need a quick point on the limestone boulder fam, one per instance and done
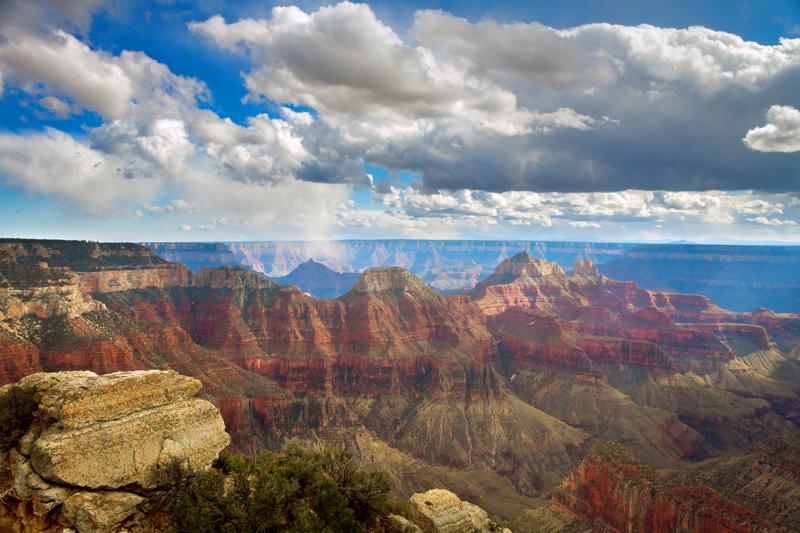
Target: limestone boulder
(402, 525)
(122, 429)
(441, 511)
(100, 512)
(90, 399)
(96, 441)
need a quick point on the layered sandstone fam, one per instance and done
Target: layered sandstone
(613, 492)
(441, 511)
(127, 279)
(45, 302)
(98, 443)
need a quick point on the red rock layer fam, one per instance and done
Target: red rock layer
(616, 321)
(18, 358)
(616, 495)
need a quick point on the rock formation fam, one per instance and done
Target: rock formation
(611, 491)
(99, 445)
(441, 511)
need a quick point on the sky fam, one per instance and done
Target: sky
(578, 120)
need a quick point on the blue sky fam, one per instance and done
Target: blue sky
(583, 120)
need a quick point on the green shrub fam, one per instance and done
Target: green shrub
(17, 407)
(297, 490)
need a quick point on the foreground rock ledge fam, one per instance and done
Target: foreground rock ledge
(441, 511)
(93, 434)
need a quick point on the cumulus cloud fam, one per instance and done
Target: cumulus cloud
(56, 106)
(583, 210)
(517, 106)
(55, 163)
(583, 224)
(342, 59)
(54, 60)
(38, 15)
(157, 153)
(780, 134)
(764, 221)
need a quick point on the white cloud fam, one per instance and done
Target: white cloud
(371, 86)
(266, 150)
(55, 163)
(583, 224)
(486, 113)
(582, 210)
(764, 221)
(515, 106)
(177, 205)
(56, 106)
(780, 134)
(92, 79)
(708, 59)
(342, 60)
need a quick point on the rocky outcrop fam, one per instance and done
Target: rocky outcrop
(99, 445)
(127, 279)
(614, 492)
(441, 511)
(45, 302)
(609, 321)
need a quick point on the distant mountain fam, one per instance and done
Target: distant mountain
(318, 280)
(736, 277)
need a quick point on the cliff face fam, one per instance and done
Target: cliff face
(669, 370)
(99, 446)
(613, 492)
(617, 321)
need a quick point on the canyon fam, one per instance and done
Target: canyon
(534, 395)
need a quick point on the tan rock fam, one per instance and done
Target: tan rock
(441, 511)
(28, 485)
(90, 399)
(126, 451)
(20, 469)
(100, 512)
(105, 281)
(402, 525)
(44, 381)
(45, 302)
(126, 429)
(44, 495)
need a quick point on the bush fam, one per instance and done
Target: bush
(297, 490)
(17, 407)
